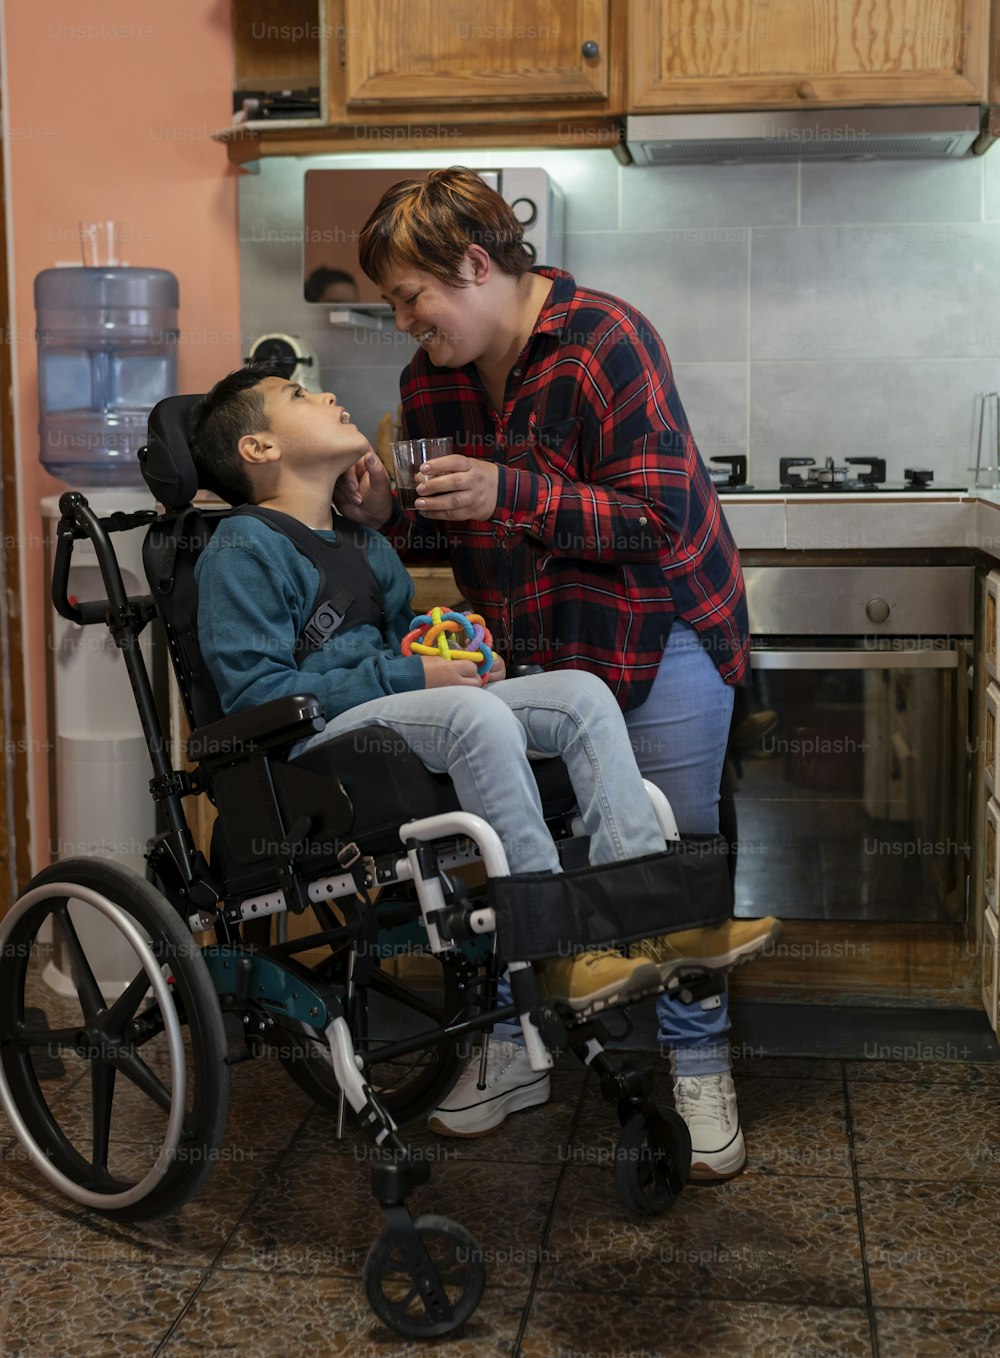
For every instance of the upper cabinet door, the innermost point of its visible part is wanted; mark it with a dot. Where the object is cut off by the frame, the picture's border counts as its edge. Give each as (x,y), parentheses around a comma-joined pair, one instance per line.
(454,53)
(799,53)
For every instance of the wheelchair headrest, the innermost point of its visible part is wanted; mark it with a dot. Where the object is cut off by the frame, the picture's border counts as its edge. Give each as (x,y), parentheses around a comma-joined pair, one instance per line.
(167,466)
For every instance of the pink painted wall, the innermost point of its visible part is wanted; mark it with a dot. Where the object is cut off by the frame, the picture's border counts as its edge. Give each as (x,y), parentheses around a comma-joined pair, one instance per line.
(110,107)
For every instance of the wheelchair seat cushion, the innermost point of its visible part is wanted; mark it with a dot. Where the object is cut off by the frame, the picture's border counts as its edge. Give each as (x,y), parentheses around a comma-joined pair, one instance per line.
(388,785)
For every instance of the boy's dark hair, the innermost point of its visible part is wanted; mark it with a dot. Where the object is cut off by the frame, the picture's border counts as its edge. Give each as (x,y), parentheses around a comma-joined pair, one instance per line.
(321,278)
(234,407)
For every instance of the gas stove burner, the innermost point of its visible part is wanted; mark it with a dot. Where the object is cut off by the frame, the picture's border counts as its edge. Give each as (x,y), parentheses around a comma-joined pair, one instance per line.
(736,475)
(918,478)
(825,480)
(829,476)
(828,480)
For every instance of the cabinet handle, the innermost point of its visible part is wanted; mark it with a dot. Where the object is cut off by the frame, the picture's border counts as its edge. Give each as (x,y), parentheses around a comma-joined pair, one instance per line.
(590,49)
(807,90)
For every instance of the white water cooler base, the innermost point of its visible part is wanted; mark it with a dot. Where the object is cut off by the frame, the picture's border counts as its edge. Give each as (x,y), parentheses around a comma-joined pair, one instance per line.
(96,772)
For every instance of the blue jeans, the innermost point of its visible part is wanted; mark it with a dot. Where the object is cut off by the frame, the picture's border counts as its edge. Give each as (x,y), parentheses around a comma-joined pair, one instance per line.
(481,737)
(679,737)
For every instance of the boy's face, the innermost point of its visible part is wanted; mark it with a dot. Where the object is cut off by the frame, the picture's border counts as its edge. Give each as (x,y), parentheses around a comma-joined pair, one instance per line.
(309,427)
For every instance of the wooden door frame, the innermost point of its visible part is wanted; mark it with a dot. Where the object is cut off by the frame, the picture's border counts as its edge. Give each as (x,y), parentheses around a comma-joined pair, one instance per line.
(15,857)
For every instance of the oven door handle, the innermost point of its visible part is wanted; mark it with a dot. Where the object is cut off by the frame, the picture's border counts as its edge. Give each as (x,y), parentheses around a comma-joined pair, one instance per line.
(854,660)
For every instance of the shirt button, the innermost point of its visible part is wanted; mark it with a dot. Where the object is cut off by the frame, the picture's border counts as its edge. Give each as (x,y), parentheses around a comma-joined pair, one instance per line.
(518,371)
(643,521)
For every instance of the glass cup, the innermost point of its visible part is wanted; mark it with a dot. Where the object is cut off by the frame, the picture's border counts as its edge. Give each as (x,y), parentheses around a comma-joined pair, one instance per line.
(408,456)
(100,244)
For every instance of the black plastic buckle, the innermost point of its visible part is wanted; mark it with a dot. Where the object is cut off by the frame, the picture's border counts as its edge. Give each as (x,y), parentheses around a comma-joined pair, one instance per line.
(348,855)
(177,782)
(696,985)
(360,866)
(121,621)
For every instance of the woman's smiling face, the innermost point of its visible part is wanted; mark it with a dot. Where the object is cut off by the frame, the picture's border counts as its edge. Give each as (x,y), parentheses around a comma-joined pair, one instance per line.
(450,323)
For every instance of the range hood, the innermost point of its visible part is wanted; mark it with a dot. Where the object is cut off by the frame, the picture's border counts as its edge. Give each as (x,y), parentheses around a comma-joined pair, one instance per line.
(802,134)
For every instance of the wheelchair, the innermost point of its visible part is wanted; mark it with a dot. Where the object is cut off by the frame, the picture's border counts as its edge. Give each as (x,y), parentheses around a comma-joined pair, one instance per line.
(359,833)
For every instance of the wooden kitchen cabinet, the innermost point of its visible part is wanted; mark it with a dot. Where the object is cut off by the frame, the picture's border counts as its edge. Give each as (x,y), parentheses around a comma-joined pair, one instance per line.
(413,74)
(275,44)
(467,56)
(753,54)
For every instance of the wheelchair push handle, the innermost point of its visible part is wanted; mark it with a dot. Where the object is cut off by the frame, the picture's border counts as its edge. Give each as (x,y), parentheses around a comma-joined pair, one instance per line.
(78,520)
(64,606)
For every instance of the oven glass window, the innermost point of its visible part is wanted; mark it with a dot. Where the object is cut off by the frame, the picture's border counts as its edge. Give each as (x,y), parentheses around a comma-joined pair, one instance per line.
(850,794)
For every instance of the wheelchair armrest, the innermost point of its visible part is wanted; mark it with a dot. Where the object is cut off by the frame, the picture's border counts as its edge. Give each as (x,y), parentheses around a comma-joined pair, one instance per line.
(283,721)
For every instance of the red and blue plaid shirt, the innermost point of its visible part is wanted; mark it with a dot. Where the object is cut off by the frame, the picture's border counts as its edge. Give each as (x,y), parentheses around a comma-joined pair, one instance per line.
(607,524)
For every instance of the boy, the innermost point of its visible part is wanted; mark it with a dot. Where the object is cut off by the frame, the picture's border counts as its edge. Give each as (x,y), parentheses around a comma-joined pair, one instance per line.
(263,441)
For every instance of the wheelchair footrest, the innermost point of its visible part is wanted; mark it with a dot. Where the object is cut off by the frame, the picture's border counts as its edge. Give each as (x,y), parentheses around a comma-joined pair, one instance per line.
(542,915)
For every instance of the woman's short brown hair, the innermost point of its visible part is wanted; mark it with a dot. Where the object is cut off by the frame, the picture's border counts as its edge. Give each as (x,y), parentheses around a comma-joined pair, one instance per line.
(430,223)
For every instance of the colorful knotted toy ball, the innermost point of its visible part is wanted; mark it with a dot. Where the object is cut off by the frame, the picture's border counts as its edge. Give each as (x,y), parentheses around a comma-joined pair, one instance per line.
(453,636)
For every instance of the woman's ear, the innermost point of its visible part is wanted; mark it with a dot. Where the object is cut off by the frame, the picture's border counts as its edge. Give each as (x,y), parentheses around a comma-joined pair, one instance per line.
(478,265)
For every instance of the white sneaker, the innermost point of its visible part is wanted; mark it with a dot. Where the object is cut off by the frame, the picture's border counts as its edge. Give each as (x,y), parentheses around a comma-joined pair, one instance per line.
(511,1085)
(707,1103)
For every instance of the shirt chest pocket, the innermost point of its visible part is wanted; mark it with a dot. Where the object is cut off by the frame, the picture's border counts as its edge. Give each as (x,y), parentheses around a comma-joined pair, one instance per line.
(556,448)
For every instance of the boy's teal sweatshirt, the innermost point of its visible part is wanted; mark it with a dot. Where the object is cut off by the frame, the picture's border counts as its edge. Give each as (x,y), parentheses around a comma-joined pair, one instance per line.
(255,593)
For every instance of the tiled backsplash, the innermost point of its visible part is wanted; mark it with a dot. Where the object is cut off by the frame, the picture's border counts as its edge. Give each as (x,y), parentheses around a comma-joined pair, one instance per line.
(841,309)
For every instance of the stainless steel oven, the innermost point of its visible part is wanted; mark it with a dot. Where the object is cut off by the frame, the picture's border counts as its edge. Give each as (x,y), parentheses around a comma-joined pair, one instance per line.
(852,799)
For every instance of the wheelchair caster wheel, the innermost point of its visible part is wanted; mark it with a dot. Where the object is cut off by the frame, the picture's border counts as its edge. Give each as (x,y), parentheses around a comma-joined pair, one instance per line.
(650,1175)
(395,1297)
(130,1117)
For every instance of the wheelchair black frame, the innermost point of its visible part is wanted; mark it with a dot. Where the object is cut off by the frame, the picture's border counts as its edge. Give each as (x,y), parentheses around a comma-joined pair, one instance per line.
(186,882)
(193,891)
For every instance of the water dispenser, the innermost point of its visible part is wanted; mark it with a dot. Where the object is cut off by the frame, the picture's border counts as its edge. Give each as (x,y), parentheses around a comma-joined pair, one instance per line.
(107,352)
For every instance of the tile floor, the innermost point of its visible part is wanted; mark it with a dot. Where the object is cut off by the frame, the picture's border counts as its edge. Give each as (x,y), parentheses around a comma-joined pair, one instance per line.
(865,1224)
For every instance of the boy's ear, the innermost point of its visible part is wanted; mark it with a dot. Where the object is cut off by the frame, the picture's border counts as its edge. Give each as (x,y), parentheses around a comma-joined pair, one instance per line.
(257,448)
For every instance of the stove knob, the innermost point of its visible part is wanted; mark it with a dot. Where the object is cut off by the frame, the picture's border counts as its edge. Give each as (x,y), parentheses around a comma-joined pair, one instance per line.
(877,610)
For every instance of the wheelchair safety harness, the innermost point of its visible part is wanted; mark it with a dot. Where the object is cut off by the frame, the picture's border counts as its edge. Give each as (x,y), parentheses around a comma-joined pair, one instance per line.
(348,594)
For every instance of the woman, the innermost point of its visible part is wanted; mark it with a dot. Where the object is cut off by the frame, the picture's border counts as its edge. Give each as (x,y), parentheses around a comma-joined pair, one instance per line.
(580,519)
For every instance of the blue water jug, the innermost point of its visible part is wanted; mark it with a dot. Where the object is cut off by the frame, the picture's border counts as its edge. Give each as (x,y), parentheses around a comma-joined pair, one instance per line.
(107,352)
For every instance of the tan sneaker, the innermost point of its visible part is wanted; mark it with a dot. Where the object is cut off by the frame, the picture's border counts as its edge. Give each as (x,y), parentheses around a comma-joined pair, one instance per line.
(593,981)
(726,946)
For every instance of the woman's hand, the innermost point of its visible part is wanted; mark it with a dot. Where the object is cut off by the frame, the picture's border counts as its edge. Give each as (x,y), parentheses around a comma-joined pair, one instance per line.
(498,672)
(439,673)
(456,487)
(363,494)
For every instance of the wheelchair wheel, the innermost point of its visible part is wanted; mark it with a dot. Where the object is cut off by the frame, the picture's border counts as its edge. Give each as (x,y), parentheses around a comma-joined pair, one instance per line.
(387,1009)
(648,1175)
(117,1088)
(393,1295)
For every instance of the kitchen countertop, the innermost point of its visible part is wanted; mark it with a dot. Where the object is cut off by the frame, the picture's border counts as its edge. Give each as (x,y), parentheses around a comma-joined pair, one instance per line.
(838,522)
